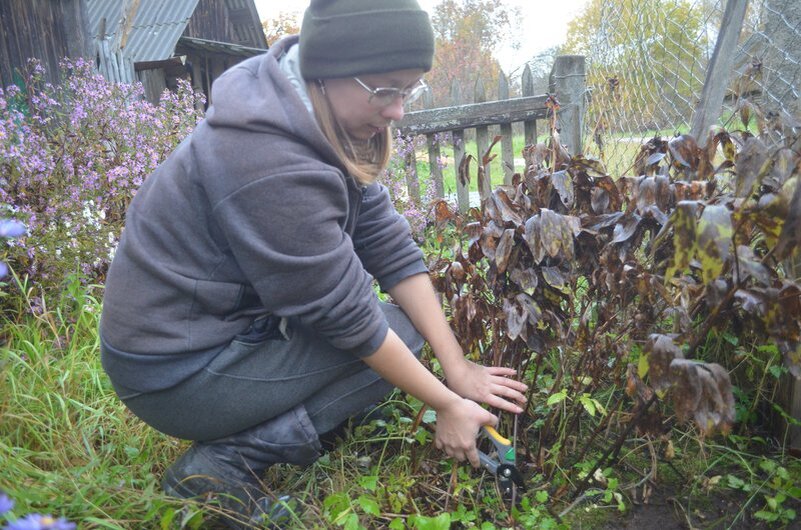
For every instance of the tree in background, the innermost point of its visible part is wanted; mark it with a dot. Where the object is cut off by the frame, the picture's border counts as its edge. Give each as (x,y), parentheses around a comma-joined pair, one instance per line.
(286,23)
(646,60)
(467,33)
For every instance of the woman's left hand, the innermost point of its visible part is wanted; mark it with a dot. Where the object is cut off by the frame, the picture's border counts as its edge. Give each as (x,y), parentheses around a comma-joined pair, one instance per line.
(492,385)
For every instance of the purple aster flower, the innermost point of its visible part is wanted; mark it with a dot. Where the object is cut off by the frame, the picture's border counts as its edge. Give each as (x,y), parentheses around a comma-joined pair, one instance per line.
(6,504)
(36,521)
(11,228)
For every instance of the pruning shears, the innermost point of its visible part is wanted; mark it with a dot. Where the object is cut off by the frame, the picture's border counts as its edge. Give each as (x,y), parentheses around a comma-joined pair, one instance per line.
(502,462)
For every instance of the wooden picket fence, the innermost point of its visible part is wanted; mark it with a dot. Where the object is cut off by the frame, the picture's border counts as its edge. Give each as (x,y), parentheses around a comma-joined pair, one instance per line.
(567,83)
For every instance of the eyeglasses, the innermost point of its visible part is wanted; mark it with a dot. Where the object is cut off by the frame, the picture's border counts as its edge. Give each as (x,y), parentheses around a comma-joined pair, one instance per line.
(386,96)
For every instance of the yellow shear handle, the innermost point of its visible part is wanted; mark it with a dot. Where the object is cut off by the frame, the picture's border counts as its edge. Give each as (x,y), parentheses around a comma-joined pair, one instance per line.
(496,435)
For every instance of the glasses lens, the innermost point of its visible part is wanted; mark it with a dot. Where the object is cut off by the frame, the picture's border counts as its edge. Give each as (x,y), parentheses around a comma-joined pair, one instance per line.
(385,96)
(415,92)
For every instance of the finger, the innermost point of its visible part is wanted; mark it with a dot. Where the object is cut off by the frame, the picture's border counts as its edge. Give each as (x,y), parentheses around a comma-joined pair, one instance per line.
(501,370)
(456,455)
(472,456)
(490,419)
(500,403)
(511,383)
(509,393)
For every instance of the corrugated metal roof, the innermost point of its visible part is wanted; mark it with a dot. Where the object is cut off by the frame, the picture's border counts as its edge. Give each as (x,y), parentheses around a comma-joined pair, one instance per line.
(218,47)
(157,26)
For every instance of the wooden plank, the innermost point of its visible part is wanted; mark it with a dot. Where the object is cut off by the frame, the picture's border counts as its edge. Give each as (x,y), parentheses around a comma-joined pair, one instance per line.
(507,149)
(529,126)
(568,82)
(719,71)
(482,144)
(467,116)
(410,161)
(434,165)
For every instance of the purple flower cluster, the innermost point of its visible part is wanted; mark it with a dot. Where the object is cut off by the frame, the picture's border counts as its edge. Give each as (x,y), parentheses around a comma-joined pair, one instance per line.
(71,158)
(395,180)
(33,521)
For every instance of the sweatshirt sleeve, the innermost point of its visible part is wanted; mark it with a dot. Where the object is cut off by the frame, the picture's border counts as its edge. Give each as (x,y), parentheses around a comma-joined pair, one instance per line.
(383,241)
(286,233)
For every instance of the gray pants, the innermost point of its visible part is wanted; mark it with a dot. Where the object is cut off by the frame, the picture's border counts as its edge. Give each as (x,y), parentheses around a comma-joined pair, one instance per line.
(262,374)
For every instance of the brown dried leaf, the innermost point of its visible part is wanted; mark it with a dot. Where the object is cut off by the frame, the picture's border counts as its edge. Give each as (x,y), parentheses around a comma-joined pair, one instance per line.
(748,163)
(535,156)
(661,351)
(553,276)
(702,392)
(464,169)
(504,249)
(693,191)
(486,158)
(563,184)
(530,308)
(526,279)
(507,212)
(649,156)
(515,318)
(635,386)
(599,200)
(626,228)
(599,222)
(790,236)
(607,184)
(489,244)
(752,301)
(556,234)
(749,266)
(684,152)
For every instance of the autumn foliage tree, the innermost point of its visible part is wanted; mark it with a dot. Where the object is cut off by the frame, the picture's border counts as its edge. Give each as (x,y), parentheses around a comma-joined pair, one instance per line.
(644,60)
(285,23)
(467,33)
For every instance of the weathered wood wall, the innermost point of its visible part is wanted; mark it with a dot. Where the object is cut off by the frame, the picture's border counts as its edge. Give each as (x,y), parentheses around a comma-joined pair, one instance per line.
(48,30)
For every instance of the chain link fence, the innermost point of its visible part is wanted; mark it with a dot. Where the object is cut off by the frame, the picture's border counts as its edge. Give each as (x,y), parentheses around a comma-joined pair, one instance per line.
(647,61)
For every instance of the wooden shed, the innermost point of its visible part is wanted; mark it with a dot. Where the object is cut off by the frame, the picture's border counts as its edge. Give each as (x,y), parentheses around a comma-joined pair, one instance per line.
(158,42)
(48,30)
(155,42)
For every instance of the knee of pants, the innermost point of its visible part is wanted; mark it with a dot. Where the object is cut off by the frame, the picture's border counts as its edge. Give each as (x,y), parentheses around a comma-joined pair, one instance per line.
(403,327)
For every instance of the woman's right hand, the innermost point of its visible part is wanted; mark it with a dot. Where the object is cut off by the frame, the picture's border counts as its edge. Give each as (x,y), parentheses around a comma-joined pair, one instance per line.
(457,428)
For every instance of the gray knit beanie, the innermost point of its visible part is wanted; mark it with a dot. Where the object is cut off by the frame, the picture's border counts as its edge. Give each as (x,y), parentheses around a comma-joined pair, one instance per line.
(344,38)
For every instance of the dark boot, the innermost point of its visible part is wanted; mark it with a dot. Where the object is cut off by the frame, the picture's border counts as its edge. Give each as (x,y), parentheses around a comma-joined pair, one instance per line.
(227,470)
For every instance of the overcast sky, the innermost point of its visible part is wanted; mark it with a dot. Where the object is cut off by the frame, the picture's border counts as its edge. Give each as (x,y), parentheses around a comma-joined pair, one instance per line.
(543,24)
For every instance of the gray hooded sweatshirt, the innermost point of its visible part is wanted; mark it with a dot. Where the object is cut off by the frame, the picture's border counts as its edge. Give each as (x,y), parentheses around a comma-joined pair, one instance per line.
(252,214)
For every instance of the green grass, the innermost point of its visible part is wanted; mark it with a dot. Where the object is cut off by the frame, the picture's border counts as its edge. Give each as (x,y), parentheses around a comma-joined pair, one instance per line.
(71,449)
(68,447)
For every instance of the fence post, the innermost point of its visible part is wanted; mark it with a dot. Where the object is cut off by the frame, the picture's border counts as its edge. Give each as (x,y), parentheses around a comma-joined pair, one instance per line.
(482,144)
(410,161)
(462,190)
(435,169)
(790,387)
(568,83)
(529,126)
(719,71)
(507,150)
